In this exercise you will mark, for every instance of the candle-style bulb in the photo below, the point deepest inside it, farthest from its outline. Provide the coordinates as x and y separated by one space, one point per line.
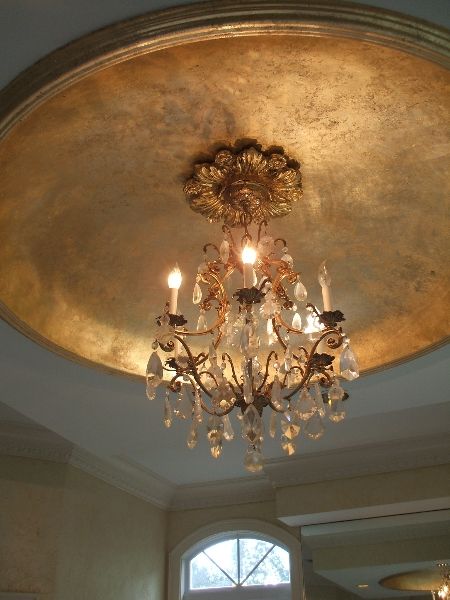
323 275
175 278
248 255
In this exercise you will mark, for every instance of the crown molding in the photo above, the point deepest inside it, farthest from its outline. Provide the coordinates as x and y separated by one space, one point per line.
243 490
123 473
355 461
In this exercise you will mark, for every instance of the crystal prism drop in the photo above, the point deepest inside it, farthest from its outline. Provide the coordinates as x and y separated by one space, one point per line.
305 406
318 400
224 251
201 323
287 446
287 258
228 433
192 438
216 449
336 411
253 459
314 428
214 429
167 413
197 294
273 424
198 411
297 321
275 394
248 392
335 392
300 292
348 364
252 426
154 366
183 407
151 389
290 428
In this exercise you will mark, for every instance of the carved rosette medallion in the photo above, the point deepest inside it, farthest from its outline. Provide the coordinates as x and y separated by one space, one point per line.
243 187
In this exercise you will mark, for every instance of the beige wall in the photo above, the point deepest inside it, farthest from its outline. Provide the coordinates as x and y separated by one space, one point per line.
66 535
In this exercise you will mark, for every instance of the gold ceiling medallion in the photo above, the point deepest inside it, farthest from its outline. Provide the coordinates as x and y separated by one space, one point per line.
243 187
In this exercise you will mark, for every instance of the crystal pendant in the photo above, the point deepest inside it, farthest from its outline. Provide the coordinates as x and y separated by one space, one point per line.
253 459
167 413
214 429
275 393
297 322
228 433
287 258
252 425
216 449
198 411
154 366
183 407
287 445
248 392
304 406
197 294
318 400
224 251
348 364
335 392
336 411
150 390
192 438
288 358
314 428
300 292
266 245
290 428
273 424
201 323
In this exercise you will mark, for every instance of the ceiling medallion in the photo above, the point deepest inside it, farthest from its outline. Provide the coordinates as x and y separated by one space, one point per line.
284 364
239 187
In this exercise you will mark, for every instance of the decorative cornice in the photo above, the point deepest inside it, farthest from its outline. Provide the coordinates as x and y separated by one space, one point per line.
355 461
243 490
210 20
123 473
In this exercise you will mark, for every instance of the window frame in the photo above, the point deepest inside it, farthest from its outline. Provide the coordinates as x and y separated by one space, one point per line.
208 535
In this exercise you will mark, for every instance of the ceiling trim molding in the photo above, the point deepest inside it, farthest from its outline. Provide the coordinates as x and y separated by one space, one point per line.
29 441
244 490
355 461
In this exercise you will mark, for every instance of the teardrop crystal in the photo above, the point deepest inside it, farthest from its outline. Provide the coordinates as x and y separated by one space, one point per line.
297 321
300 292
336 411
252 425
275 394
273 424
287 258
290 428
192 438
335 392
201 323
154 366
197 294
253 459
287 445
314 428
305 406
348 364
228 432
167 413
318 400
184 406
216 449
224 251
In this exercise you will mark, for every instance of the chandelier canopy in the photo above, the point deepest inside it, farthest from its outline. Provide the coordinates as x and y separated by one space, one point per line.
284 365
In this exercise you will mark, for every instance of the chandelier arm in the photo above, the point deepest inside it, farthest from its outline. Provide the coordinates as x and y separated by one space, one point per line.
288 328
226 356
306 377
296 368
194 367
266 370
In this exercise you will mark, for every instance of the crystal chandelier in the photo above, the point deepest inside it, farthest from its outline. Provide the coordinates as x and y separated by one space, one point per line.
260 352
443 593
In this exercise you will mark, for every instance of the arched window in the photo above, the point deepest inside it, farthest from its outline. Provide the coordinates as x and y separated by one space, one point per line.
236 564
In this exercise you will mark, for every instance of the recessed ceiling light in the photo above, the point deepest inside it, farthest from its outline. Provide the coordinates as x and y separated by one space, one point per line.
362 586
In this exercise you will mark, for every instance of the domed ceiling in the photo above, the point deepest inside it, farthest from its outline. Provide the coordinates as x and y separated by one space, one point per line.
93 215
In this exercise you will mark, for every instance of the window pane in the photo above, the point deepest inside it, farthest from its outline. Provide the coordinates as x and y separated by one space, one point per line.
274 569
224 554
204 574
251 552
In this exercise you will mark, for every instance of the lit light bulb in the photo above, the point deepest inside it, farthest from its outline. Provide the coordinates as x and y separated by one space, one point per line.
175 278
248 255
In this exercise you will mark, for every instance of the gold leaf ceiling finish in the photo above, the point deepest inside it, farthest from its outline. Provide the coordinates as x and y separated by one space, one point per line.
93 215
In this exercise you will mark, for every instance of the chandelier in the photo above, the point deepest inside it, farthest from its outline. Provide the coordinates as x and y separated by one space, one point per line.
266 348
443 593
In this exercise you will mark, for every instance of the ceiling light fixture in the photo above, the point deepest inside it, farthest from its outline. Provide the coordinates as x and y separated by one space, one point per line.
443 593
259 355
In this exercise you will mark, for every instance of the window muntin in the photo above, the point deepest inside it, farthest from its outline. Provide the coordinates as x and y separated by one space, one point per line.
239 562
